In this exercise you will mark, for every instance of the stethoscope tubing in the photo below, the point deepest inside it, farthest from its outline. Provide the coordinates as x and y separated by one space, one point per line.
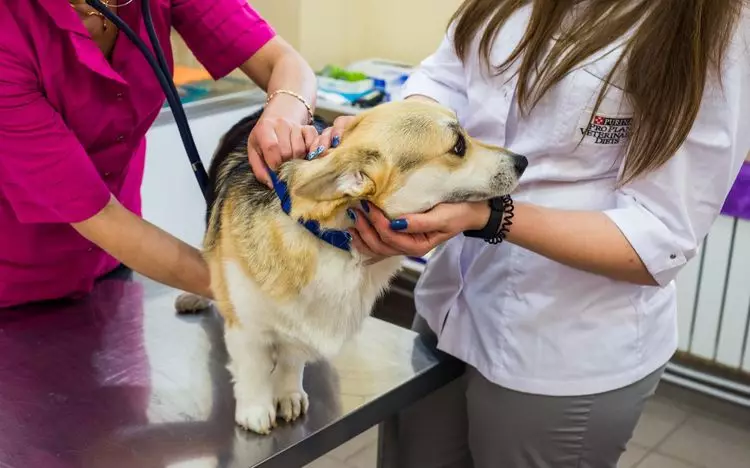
159 65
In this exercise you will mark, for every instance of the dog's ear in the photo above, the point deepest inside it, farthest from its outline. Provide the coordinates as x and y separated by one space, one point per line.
338 175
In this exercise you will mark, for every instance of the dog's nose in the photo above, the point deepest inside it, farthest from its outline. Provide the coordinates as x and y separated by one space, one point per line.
520 163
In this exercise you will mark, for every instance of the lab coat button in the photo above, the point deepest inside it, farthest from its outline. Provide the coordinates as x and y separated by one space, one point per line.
119 96
121 138
673 256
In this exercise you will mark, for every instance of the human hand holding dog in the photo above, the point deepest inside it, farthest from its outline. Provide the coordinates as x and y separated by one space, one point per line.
413 235
331 136
276 139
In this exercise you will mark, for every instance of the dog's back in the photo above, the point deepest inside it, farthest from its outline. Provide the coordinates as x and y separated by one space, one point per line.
230 167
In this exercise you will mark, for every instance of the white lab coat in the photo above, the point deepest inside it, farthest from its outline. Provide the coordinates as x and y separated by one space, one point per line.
534 325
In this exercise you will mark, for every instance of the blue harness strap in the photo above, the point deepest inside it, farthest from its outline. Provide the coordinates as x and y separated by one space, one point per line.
339 239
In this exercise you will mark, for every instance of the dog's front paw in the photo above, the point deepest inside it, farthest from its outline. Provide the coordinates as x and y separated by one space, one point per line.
190 303
293 405
258 418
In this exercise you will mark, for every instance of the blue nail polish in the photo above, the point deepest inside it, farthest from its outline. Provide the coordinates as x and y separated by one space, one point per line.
399 224
314 154
348 237
365 206
336 141
351 214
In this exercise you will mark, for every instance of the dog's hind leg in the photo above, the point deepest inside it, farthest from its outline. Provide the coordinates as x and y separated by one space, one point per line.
252 364
291 398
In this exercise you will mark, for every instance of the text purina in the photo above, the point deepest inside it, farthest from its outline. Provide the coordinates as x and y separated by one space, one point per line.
608 131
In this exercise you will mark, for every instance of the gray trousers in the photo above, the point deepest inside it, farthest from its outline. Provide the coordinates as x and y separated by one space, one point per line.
473 423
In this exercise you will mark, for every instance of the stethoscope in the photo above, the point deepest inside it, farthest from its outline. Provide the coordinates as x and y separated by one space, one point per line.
159 64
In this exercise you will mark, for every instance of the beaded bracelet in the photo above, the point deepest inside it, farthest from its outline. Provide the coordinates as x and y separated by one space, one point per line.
294 95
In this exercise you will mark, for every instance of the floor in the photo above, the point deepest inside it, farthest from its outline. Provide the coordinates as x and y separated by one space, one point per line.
679 429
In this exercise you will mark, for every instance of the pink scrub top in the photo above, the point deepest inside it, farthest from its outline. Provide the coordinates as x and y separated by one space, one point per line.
73 126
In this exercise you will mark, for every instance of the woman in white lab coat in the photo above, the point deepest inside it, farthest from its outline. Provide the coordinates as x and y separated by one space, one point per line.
635 118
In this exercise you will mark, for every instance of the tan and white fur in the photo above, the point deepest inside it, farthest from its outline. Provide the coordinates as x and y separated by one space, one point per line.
289 298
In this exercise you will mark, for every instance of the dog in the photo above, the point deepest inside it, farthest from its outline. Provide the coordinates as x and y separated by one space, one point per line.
286 295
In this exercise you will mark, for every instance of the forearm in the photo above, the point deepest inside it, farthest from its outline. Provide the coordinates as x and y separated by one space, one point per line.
147 249
278 66
586 240
292 73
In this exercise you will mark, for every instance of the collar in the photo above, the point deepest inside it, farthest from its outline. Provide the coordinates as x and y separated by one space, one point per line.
339 239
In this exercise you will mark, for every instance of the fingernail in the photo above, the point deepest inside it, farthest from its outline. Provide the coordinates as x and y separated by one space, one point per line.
351 214
314 154
335 142
365 206
348 237
398 224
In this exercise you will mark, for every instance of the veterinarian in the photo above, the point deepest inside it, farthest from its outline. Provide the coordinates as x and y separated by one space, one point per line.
567 324
76 100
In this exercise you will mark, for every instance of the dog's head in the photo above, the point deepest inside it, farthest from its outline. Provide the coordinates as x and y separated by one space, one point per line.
404 157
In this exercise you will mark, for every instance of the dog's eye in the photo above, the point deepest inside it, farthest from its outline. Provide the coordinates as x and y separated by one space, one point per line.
459 149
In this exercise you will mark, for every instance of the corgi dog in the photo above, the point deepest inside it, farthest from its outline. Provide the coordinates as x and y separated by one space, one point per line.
289 289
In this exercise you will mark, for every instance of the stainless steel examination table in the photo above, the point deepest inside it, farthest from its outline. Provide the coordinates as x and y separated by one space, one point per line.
119 380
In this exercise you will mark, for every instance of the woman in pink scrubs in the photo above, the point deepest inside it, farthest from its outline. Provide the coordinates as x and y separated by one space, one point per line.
76 101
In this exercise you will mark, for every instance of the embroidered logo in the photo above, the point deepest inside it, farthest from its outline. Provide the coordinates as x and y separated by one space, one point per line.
603 130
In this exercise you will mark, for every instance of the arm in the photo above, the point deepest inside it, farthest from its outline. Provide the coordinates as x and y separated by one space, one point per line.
584 240
284 131
228 34
278 66
47 177
147 249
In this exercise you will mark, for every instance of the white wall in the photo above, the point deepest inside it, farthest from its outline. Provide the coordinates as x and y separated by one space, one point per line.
171 197
341 31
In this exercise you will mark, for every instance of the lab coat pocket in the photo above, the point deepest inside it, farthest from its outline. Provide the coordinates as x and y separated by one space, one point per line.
607 124
594 135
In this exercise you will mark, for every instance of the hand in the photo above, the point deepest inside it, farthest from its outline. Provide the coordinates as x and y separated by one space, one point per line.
331 136
275 140
414 235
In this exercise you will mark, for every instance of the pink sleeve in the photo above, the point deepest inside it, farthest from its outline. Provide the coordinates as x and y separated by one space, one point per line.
222 34
45 174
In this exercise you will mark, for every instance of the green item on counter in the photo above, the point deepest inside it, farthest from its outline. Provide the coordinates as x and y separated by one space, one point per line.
339 73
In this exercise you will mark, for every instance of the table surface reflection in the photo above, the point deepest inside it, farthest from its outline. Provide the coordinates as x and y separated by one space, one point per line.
118 380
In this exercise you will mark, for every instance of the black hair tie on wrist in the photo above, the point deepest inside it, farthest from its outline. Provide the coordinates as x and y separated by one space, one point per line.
498 226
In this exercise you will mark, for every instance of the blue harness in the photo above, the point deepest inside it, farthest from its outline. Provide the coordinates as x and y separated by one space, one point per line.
339 239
